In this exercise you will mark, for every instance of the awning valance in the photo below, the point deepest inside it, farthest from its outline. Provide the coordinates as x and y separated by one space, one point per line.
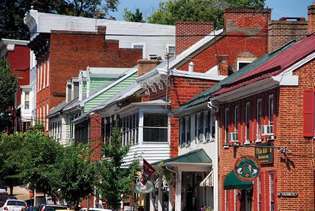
197 157
231 181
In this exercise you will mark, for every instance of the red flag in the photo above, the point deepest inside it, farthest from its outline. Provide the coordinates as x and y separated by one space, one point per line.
148 169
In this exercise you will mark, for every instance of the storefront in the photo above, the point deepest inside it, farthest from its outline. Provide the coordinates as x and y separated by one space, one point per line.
192 182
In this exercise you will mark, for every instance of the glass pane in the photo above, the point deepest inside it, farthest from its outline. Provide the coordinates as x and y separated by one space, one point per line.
155 120
155 134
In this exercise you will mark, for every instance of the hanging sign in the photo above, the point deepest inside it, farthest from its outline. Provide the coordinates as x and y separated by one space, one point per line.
264 154
246 169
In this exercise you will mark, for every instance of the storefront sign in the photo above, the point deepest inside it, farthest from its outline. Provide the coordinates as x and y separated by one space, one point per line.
288 194
264 154
246 169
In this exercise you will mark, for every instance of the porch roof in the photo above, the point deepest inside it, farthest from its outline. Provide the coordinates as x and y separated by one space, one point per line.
197 157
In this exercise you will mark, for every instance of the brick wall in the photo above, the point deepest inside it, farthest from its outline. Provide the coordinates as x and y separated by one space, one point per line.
298 174
284 30
188 33
311 18
246 37
95 136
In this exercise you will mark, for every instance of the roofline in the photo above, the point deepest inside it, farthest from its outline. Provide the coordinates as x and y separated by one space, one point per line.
14 41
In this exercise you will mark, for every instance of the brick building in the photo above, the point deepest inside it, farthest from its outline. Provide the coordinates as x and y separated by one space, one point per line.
17 54
62 54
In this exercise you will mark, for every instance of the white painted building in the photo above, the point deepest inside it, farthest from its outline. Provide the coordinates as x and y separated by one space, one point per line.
129 34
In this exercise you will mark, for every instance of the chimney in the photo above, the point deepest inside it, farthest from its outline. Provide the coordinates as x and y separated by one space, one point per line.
191 67
245 21
101 29
284 30
223 65
188 33
311 18
145 65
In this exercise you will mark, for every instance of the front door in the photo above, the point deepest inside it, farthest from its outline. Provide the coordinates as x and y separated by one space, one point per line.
246 200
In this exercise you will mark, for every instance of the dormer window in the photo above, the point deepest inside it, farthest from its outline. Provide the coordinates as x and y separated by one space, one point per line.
242 62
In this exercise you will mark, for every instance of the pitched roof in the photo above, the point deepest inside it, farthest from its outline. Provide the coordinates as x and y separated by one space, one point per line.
275 65
204 96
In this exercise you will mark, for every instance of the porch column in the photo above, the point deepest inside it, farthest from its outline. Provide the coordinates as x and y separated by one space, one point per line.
140 133
151 202
178 196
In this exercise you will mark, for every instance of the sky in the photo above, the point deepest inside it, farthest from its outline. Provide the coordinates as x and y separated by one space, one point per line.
280 8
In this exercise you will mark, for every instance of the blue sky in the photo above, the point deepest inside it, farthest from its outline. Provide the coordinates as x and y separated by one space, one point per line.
280 8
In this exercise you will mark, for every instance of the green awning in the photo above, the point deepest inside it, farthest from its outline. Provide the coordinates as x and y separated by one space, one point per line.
232 182
197 157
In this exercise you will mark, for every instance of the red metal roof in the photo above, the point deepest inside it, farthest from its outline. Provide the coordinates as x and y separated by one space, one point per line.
275 65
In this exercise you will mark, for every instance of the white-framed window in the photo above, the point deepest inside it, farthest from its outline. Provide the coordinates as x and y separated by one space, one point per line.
155 127
242 62
44 74
48 71
258 117
226 125
46 116
26 100
236 118
139 46
200 126
247 121
129 129
171 50
270 109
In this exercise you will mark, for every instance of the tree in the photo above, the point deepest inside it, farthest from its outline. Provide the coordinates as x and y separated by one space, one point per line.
12 12
8 88
76 174
38 157
115 181
10 171
198 10
133 17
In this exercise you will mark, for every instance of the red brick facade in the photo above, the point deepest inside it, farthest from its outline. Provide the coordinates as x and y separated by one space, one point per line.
291 173
188 33
69 53
95 136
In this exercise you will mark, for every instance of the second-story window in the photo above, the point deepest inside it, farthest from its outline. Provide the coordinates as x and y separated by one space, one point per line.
247 122
200 126
182 131
259 119
27 100
270 109
155 127
226 125
236 118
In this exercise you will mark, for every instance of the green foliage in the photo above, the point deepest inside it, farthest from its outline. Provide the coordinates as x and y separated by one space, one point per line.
8 86
10 171
76 174
133 17
12 12
198 10
115 181
38 157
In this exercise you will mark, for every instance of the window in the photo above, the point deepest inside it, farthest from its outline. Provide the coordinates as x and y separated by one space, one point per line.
155 127
182 131
270 109
200 126
129 129
240 65
139 46
242 62
171 50
187 135
44 74
258 119
226 125
47 68
209 126
247 122
236 118
27 100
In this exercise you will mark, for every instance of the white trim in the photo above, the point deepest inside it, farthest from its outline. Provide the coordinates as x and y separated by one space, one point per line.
286 77
244 60
197 75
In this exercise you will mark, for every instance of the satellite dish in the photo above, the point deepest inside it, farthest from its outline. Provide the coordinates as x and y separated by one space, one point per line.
147 188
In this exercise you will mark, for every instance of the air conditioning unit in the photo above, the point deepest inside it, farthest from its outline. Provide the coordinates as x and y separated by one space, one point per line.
267 131
233 137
